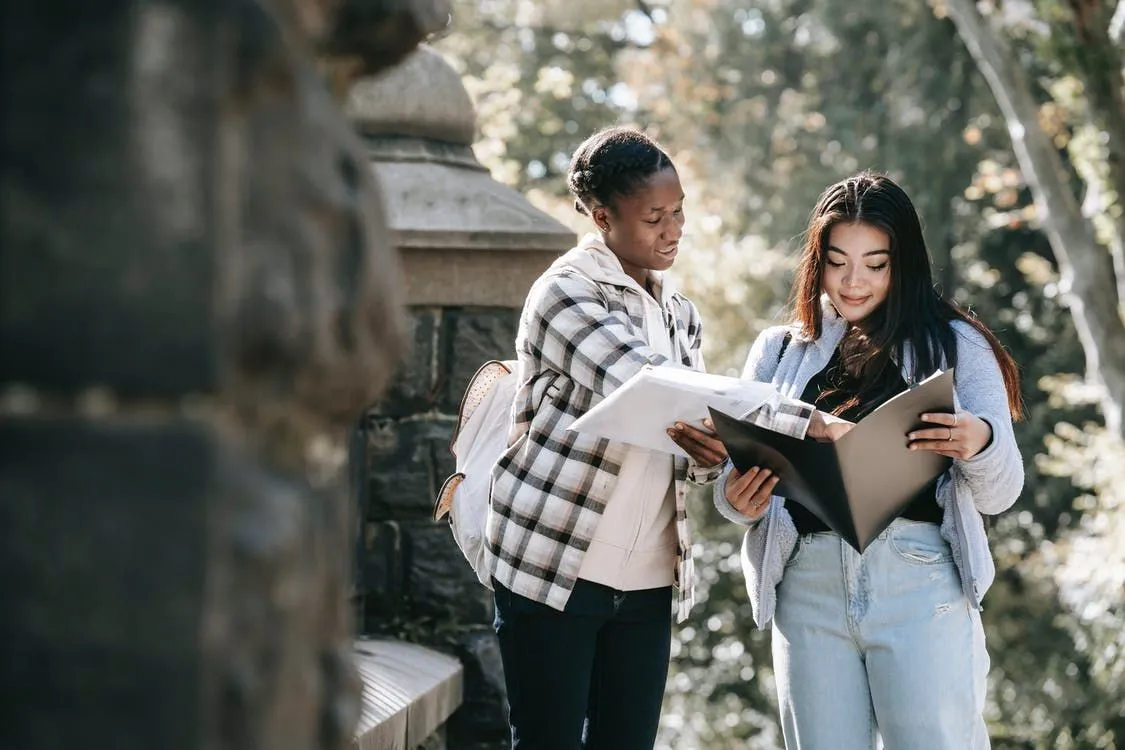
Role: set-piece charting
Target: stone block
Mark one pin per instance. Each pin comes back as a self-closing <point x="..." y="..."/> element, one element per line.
<point x="403" y="465"/>
<point x="439" y="581"/>
<point x="435" y="741"/>
<point x="411" y="389"/>
<point x="102" y="544"/>
<point x="480" y="722"/>
<point x="384" y="574"/>
<point x="470" y="337"/>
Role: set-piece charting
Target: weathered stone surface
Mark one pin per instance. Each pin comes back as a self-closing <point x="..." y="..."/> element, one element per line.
<point x="467" y="239"/>
<point x="412" y="389"/>
<point x="276" y="612"/>
<point x="403" y="474"/>
<point x="485" y="278"/>
<point x="124" y="173"/>
<point x="442" y="198"/>
<point x="479" y="723"/>
<point x="469" y="338"/>
<point x="197" y="298"/>
<point x="366" y="37"/>
<point x="384" y="574"/>
<point x="440" y="583"/>
<point x="436" y="741"/>
<point x="472" y="247"/>
<point x="102" y="544"/>
<point x="422" y="97"/>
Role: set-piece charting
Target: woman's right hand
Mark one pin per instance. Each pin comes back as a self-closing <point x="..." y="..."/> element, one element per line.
<point x="828" y="428"/>
<point x="749" y="493"/>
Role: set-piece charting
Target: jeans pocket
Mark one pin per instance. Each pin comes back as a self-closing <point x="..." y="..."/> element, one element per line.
<point x="795" y="555"/>
<point x="920" y="544"/>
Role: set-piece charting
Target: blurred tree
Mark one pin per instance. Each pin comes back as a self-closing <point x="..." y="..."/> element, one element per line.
<point x="1073" y="35"/>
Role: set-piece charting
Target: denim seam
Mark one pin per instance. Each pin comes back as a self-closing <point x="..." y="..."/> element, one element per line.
<point x="850" y="579"/>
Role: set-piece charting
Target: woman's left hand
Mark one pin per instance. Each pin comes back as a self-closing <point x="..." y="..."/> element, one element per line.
<point x="702" y="445"/>
<point x="961" y="435"/>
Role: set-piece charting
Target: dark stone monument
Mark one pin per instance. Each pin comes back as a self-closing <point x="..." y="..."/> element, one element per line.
<point x="471" y="247"/>
<point x="197" y="297"/>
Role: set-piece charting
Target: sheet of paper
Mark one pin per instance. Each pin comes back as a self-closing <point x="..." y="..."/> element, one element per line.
<point x="640" y="412"/>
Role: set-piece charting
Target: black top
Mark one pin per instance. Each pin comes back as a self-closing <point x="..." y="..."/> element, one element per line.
<point x="829" y="389"/>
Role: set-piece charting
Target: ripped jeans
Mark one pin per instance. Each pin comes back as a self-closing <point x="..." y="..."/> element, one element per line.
<point x="883" y="645"/>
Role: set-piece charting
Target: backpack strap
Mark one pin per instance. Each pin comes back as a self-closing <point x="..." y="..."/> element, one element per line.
<point x="784" y="345"/>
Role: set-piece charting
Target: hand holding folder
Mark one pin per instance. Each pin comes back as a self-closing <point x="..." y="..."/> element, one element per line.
<point x="640" y="412"/>
<point x="859" y="484"/>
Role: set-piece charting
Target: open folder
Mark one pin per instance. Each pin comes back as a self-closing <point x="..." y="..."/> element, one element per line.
<point x="859" y="484"/>
<point x="640" y="411"/>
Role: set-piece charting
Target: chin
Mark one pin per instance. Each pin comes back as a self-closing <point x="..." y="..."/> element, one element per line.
<point x="854" y="315"/>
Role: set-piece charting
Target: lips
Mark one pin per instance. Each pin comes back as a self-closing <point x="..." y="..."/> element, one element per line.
<point x="854" y="300"/>
<point x="669" y="251"/>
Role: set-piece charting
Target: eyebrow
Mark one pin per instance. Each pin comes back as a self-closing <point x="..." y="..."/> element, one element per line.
<point x="682" y="198"/>
<point x="833" y="248"/>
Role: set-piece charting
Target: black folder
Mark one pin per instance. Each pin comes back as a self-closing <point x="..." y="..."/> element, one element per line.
<point x="859" y="484"/>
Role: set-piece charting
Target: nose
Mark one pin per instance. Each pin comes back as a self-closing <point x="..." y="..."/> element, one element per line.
<point x="673" y="228"/>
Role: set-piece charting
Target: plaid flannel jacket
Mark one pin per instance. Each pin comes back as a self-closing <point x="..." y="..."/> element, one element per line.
<point x="581" y="337"/>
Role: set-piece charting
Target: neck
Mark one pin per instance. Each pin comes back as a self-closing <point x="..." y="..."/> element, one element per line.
<point x="636" y="273"/>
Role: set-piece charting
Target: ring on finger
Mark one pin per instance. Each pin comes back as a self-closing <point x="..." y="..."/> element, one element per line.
<point x="954" y="419"/>
<point x="950" y="434"/>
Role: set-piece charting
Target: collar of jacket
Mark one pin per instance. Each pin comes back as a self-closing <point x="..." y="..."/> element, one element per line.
<point x="833" y="328"/>
<point x="593" y="259"/>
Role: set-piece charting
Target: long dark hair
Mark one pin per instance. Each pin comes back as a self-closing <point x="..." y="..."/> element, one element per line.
<point x="612" y="162"/>
<point x="914" y="310"/>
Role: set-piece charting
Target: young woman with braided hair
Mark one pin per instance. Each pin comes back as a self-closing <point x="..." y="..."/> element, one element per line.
<point x="887" y="643"/>
<point x="589" y="537"/>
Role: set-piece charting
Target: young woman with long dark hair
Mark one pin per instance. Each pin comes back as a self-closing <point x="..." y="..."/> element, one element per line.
<point x="888" y="642"/>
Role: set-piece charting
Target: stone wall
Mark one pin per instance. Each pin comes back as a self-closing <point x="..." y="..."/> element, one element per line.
<point x="197" y="299"/>
<point x="417" y="583"/>
<point x="471" y="247"/>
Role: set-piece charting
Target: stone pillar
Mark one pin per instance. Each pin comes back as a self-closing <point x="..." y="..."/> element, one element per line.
<point x="197" y="297"/>
<point x="471" y="248"/>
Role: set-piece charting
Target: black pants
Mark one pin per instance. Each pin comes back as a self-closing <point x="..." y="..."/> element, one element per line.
<point x="591" y="677"/>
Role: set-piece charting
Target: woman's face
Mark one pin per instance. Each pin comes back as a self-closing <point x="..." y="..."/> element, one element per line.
<point x="857" y="269"/>
<point x="644" y="229"/>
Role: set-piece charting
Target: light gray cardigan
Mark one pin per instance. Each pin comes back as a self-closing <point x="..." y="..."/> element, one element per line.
<point x="987" y="483"/>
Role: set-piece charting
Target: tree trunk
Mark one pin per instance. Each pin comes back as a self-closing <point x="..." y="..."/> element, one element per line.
<point x="1088" y="279"/>
<point x="1100" y="59"/>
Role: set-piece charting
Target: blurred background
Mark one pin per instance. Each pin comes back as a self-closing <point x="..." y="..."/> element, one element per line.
<point x="761" y="104"/>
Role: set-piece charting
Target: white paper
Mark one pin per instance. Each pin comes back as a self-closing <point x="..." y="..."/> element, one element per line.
<point x="640" y="411"/>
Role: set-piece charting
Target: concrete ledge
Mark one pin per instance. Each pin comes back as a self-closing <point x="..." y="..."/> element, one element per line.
<point x="408" y="693"/>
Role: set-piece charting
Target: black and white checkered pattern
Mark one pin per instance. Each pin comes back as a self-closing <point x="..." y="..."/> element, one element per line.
<point x="578" y="341"/>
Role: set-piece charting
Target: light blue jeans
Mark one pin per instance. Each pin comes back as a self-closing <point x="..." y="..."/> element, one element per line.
<point x="882" y="645"/>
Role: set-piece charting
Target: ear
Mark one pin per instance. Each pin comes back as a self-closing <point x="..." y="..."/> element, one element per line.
<point x="600" y="215"/>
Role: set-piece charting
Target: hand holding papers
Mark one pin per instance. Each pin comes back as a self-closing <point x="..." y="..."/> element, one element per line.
<point x="639" y="412"/>
<point x="859" y="484"/>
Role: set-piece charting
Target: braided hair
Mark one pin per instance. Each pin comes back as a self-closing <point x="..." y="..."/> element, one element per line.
<point x="613" y="162"/>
